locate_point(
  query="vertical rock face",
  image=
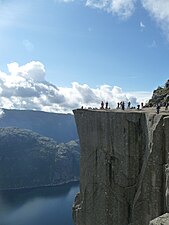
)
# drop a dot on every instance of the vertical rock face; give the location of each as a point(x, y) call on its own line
point(123, 157)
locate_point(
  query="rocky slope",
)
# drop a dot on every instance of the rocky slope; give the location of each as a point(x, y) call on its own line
point(60, 127)
point(28, 159)
point(160, 96)
point(122, 168)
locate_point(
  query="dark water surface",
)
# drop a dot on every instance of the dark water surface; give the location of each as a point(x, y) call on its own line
point(43, 206)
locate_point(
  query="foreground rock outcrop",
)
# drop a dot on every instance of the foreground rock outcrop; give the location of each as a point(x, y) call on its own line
point(123, 160)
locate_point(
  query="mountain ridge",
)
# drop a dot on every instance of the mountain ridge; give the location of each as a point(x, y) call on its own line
point(60, 127)
point(28, 160)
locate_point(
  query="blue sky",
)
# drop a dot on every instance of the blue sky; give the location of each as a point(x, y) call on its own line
point(118, 43)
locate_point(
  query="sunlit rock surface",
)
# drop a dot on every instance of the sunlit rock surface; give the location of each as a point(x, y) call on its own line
point(161, 220)
point(123, 160)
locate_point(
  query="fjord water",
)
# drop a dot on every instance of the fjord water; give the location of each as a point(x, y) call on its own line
point(42, 206)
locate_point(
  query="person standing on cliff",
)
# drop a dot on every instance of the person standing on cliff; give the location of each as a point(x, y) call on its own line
point(102, 105)
point(118, 105)
point(158, 108)
point(107, 105)
point(123, 105)
point(129, 104)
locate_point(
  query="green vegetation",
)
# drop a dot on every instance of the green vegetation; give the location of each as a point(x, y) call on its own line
point(28, 159)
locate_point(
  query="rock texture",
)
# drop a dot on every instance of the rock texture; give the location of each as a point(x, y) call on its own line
point(123, 160)
point(161, 220)
point(160, 96)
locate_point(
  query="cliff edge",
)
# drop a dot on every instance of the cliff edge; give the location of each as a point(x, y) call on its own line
point(122, 169)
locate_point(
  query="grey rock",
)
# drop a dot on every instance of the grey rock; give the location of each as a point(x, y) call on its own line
point(122, 167)
point(161, 220)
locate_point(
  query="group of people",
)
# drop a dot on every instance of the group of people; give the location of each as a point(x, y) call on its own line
point(121, 105)
point(106, 105)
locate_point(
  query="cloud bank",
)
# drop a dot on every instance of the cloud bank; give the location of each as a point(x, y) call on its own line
point(25, 87)
point(159, 11)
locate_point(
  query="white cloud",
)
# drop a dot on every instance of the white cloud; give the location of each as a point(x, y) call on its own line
point(139, 96)
point(33, 70)
point(25, 87)
point(122, 8)
point(159, 10)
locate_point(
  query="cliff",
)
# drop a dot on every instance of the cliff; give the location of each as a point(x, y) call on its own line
point(28, 160)
point(122, 167)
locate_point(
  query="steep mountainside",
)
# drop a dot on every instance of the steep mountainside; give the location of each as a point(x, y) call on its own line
point(160, 96)
point(30, 160)
point(60, 127)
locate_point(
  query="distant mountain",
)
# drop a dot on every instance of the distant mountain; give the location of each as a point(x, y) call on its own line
point(60, 127)
point(160, 96)
point(28, 159)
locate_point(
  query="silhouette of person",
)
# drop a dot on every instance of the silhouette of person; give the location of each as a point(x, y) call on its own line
point(102, 105)
point(158, 108)
point(129, 103)
point(107, 105)
point(123, 105)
